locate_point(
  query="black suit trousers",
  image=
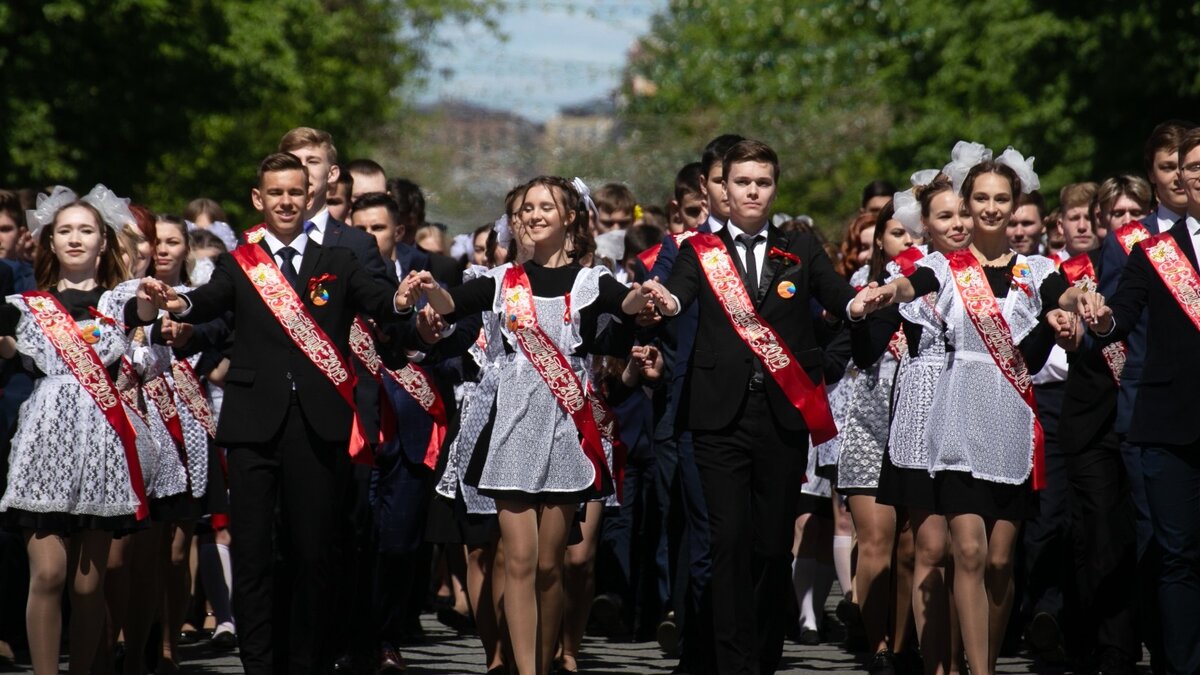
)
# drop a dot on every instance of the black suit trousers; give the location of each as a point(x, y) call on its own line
point(751, 473)
point(286, 504)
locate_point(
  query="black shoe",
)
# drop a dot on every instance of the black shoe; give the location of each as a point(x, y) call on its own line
point(1045, 639)
point(668, 635)
point(909, 662)
point(809, 637)
point(883, 663)
point(461, 623)
point(606, 615)
point(856, 634)
point(344, 664)
point(224, 640)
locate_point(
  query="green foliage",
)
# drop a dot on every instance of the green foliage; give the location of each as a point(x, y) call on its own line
point(166, 100)
point(849, 91)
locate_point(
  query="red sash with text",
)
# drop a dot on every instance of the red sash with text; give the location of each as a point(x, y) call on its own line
point(650, 255)
point(159, 390)
point(287, 308)
point(414, 380)
point(84, 363)
point(1081, 274)
point(1176, 272)
point(606, 420)
point(191, 392)
point(552, 366)
point(985, 314)
point(1131, 234)
point(777, 359)
point(128, 385)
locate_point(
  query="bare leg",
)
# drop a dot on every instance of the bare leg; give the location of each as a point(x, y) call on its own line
point(876, 527)
point(519, 530)
point(579, 583)
point(177, 584)
point(479, 592)
point(87, 561)
point(43, 613)
point(553, 526)
point(999, 579)
point(930, 596)
point(968, 541)
point(116, 599)
point(498, 581)
point(147, 548)
point(903, 582)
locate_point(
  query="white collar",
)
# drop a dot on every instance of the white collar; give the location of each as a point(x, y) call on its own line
point(714, 224)
point(320, 219)
point(1166, 215)
point(273, 243)
point(735, 231)
point(1193, 226)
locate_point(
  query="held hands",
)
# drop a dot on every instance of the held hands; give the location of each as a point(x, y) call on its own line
point(430, 325)
point(1095, 313)
point(409, 292)
point(871, 298)
point(638, 298)
point(1066, 328)
point(645, 364)
point(176, 334)
point(153, 295)
point(661, 297)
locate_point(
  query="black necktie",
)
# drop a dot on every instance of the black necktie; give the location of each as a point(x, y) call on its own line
point(287, 253)
point(750, 241)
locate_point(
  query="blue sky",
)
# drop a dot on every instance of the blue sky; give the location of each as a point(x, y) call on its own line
point(557, 52)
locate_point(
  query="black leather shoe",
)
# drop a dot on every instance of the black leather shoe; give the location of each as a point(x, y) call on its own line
point(883, 663)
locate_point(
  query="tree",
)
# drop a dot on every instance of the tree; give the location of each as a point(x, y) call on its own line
point(852, 91)
point(166, 100)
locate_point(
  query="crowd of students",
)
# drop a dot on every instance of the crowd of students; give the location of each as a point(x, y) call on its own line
point(679, 424)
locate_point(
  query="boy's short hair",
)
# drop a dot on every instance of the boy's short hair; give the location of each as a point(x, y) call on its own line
point(687, 181)
point(750, 151)
point(373, 200)
point(10, 203)
point(1166, 135)
point(1074, 195)
point(613, 197)
point(366, 167)
point(1189, 142)
point(281, 161)
point(1036, 199)
point(715, 151)
point(306, 137)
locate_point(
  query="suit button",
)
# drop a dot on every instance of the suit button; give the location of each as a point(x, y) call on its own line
point(289, 376)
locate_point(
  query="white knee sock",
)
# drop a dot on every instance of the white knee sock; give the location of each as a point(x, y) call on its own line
point(842, 546)
point(216, 574)
point(802, 580)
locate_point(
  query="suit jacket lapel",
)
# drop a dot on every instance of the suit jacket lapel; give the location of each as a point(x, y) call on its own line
point(731, 248)
point(308, 264)
point(771, 266)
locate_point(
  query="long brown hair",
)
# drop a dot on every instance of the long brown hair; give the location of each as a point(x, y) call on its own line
point(847, 263)
point(109, 273)
point(878, 260)
point(579, 237)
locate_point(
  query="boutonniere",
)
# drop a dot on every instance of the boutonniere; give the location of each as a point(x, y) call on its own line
point(776, 252)
point(105, 319)
point(1021, 278)
point(316, 288)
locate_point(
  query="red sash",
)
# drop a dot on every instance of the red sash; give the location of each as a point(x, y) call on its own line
point(1131, 234)
point(777, 359)
point(128, 383)
point(907, 260)
point(650, 255)
point(89, 371)
point(1176, 272)
point(159, 391)
point(414, 380)
point(1080, 272)
point(551, 365)
point(984, 312)
point(191, 392)
point(287, 308)
point(606, 420)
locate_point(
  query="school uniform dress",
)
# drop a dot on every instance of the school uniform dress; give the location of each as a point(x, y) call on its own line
point(68, 470)
point(980, 430)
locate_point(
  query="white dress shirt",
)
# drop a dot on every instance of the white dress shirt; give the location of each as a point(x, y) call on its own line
point(1166, 218)
point(316, 231)
point(760, 247)
point(299, 243)
point(714, 224)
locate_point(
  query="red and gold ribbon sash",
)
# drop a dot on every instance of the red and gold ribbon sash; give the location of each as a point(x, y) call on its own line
point(606, 421)
point(159, 390)
point(129, 385)
point(1131, 234)
point(984, 312)
point(761, 338)
point(191, 392)
point(414, 380)
point(521, 317)
point(84, 363)
point(1081, 274)
point(898, 345)
point(650, 255)
point(907, 260)
point(1176, 272)
point(287, 308)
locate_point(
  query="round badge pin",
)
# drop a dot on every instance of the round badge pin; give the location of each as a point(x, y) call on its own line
point(320, 296)
point(786, 290)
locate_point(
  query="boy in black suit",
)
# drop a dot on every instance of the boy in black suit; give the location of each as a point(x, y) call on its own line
point(286, 421)
point(750, 436)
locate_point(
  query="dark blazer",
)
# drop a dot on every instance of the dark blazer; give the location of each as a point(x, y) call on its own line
point(444, 269)
point(721, 363)
point(265, 363)
point(1112, 261)
point(1090, 397)
point(365, 249)
point(1164, 413)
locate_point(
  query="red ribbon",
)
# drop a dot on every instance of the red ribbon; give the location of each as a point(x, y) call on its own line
point(552, 366)
point(285, 305)
point(780, 253)
point(985, 314)
point(318, 280)
point(761, 338)
point(907, 260)
point(1176, 272)
point(1131, 234)
point(85, 364)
